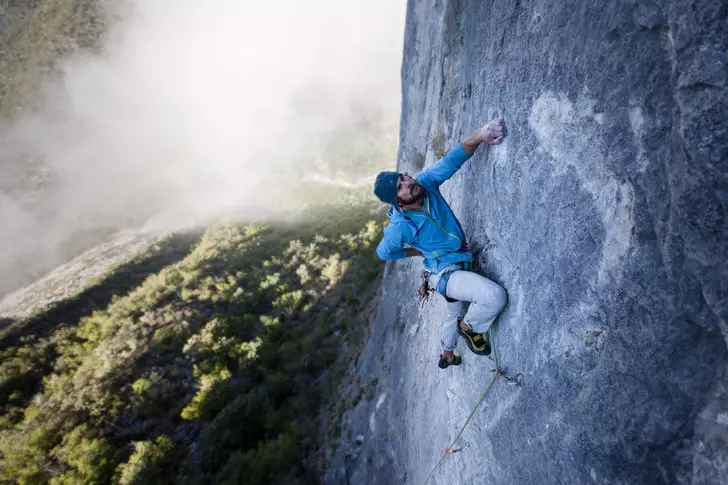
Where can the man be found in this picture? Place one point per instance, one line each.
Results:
(421, 218)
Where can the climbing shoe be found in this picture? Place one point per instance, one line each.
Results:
(444, 363)
(477, 342)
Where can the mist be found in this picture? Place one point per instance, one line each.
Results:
(190, 110)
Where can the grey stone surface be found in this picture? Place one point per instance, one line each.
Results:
(603, 214)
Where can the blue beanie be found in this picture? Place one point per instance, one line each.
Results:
(385, 187)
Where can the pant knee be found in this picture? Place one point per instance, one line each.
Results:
(501, 298)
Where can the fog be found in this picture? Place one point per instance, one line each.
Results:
(189, 110)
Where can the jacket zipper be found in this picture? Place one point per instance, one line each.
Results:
(427, 206)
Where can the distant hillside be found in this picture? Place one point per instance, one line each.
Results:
(212, 356)
(34, 36)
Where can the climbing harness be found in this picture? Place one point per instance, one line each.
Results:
(516, 380)
(423, 292)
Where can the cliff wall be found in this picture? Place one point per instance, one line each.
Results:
(603, 215)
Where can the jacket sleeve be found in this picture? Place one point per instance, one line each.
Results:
(392, 244)
(444, 168)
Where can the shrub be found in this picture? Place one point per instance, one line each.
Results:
(214, 394)
(146, 466)
(141, 386)
(90, 458)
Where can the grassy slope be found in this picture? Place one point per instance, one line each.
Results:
(213, 370)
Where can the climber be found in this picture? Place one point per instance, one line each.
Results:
(421, 218)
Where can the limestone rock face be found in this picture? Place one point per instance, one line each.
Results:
(603, 215)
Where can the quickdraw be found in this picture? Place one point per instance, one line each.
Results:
(452, 451)
(516, 380)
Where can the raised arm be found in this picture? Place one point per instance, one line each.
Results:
(491, 133)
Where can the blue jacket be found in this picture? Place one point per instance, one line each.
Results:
(434, 230)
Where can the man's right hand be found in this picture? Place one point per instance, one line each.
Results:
(491, 132)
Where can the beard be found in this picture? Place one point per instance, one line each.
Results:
(416, 194)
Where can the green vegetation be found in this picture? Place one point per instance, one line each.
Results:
(217, 366)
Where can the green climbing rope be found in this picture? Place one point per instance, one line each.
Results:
(475, 408)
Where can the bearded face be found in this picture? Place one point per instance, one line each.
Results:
(408, 190)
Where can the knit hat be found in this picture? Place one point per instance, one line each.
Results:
(385, 187)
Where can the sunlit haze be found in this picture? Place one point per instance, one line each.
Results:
(189, 109)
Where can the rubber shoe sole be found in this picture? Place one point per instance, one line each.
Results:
(475, 341)
(444, 364)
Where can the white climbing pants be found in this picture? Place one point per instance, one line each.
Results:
(480, 300)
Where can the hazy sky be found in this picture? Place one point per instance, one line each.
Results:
(190, 107)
